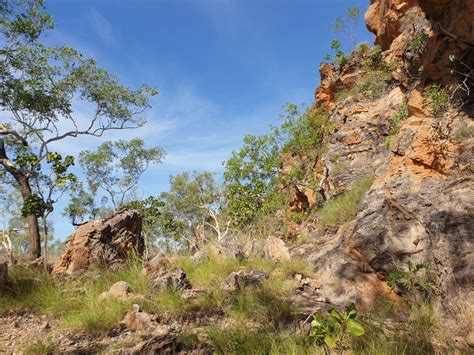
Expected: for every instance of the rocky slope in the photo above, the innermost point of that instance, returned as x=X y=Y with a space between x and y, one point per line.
x=401 y=114
x=418 y=146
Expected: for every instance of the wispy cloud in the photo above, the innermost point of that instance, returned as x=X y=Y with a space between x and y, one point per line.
x=102 y=26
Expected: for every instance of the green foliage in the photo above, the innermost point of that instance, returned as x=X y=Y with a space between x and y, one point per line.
x=343 y=208
x=81 y=204
x=400 y=116
x=372 y=58
x=242 y=340
x=116 y=167
x=417 y=44
x=151 y=209
x=254 y=179
x=34 y=204
x=340 y=58
x=375 y=74
x=417 y=282
x=332 y=331
x=39 y=86
x=266 y=305
x=374 y=83
x=250 y=177
x=38 y=347
x=438 y=98
x=192 y=209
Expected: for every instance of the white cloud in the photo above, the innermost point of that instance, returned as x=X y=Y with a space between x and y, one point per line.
x=102 y=26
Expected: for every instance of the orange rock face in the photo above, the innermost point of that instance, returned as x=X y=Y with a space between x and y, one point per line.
x=419 y=207
x=102 y=243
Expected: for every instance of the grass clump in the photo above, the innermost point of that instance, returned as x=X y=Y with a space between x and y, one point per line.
x=75 y=303
x=264 y=305
x=374 y=83
x=38 y=347
x=245 y=341
x=96 y=316
x=343 y=208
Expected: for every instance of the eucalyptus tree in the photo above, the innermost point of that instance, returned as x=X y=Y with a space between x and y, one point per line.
x=193 y=210
x=115 y=168
x=39 y=85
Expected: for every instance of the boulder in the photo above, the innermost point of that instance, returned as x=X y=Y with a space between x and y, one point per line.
x=120 y=290
x=174 y=280
x=275 y=249
x=3 y=273
x=155 y=264
x=236 y=281
x=102 y=243
x=253 y=248
x=138 y=321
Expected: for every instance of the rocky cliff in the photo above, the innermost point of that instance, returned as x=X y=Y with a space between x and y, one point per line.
x=403 y=112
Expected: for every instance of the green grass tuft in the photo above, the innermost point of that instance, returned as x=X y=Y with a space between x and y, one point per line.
x=344 y=207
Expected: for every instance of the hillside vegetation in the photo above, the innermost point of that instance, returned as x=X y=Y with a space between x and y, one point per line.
x=347 y=228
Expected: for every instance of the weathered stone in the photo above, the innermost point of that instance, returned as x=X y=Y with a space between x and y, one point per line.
x=120 y=290
x=275 y=249
x=138 y=321
x=174 y=280
x=253 y=248
x=236 y=281
x=155 y=264
x=102 y=243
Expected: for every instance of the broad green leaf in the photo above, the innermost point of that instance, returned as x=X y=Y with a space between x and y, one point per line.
x=329 y=340
x=335 y=314
x=355 y=327
x=352 y=314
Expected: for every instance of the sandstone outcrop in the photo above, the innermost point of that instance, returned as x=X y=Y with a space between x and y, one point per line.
x=420 y=205
x=102 y=243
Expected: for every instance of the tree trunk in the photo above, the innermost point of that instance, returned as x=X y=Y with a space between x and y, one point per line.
x=31 y=220
x=25 y=189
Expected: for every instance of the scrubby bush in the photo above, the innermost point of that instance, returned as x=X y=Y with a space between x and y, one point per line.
x=417 y=44
x=400 y=116
x=333 y=331
x=438 y=98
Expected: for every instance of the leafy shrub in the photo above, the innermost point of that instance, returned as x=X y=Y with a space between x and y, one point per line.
x=332 y=331
x=417 y=44
x=438 y=98
x=417 y=282
x=255 y=183
x=400 y=116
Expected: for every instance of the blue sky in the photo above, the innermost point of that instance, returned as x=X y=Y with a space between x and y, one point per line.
x=224 y=68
